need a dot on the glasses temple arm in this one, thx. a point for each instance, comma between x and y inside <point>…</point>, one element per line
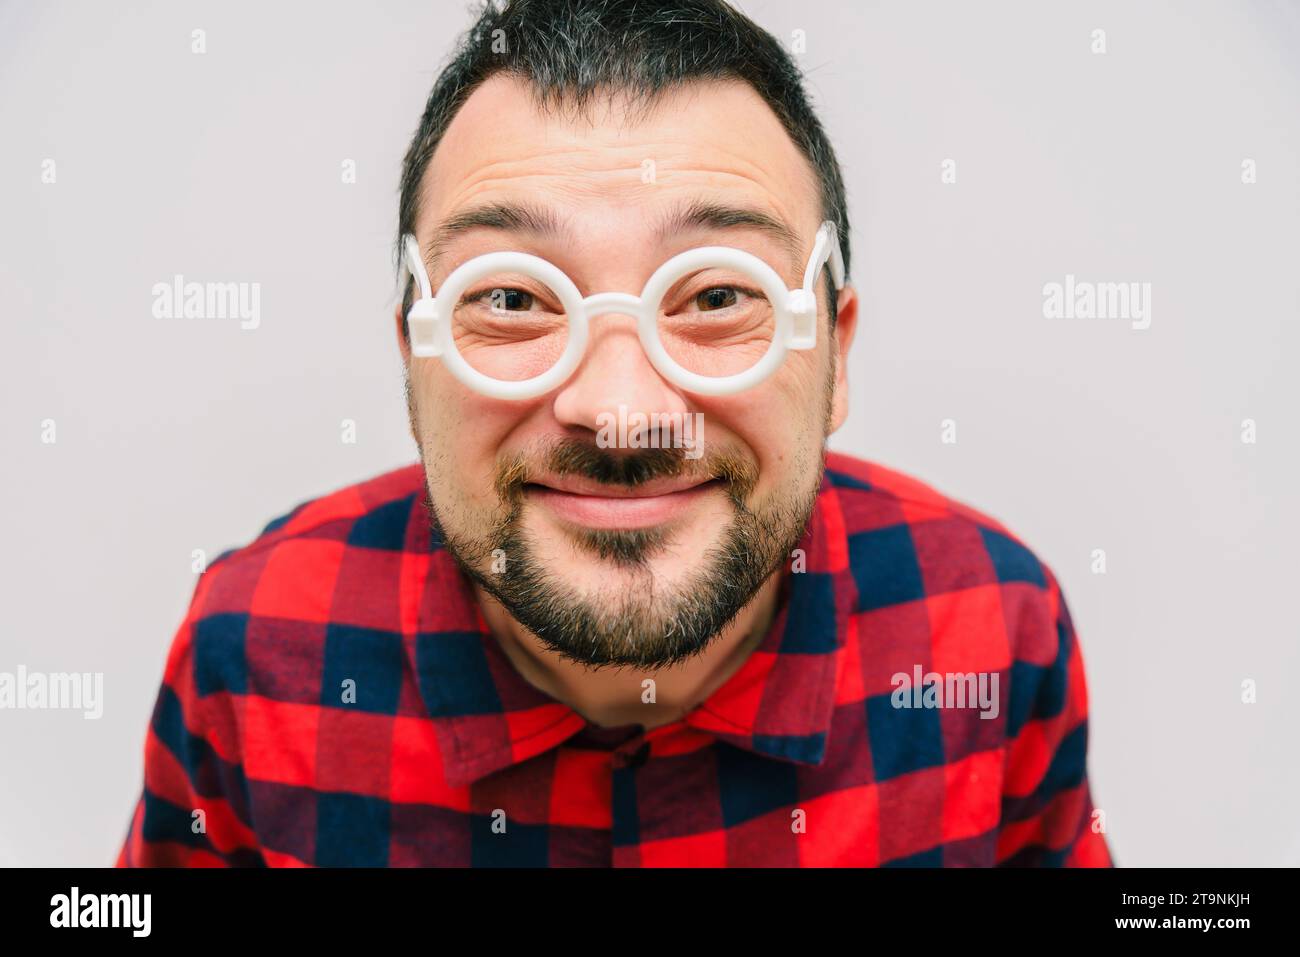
<point>826,251</point>
<point>415,265</point>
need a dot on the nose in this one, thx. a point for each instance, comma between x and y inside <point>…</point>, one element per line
<point>615,371</point>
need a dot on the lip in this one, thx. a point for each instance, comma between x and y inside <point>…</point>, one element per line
<point>593,505</point>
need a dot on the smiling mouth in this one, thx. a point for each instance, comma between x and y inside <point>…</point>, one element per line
<point>593,505</point>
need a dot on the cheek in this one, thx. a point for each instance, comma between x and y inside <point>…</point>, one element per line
<point>793,401</point>
<point>790,448</point>
<point>458,440</point>
<point>778,424</point>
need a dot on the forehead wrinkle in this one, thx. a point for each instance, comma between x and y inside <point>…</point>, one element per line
<point>762,211</point>
<point>753,147</point>
<point>580,173</point>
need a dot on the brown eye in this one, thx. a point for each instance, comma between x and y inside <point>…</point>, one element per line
<point>719,297</point>
<point>510,300</point>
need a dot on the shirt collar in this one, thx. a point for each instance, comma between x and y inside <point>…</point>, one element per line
<point>486,717</point>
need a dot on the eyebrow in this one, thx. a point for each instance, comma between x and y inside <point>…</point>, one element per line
<point>523,217</point>
<point>699,215</point>
<point>515,217</point>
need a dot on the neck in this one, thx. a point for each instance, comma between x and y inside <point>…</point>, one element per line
<point>616,696</point>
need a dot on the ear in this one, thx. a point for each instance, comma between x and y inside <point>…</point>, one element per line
<point>402,343</point>
<point>405,348</point>
<point>846,324</point>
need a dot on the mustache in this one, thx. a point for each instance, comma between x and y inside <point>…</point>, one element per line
<point>575,457</point>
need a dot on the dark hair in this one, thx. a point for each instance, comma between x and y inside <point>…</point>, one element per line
<point>570,50</point>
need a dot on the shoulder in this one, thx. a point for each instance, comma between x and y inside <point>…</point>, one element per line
<point>947,539</point>
<point>331,558</point>
<point>912,545</point>
<point>374,514</point>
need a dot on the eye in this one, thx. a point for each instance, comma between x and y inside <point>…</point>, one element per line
<point>719,297</point>
<point>509,300</point>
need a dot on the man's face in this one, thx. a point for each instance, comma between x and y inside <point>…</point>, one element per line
<point>624,555</point>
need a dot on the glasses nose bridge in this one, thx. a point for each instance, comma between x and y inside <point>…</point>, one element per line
<point>604,303</point>
<point>618,303</point>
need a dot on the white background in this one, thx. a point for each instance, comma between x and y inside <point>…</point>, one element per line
<point>176,435</point>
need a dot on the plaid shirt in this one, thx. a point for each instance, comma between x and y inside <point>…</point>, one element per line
<point>445,755</point>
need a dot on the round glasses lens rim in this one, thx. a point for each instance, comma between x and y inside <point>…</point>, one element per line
<point>535,268</point>
<point>767,278</point>
<point>649,301</point>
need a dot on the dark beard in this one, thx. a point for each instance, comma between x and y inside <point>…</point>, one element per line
<point>642,625</point>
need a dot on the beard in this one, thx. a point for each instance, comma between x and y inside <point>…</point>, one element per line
<point>643,623</point>
<point>638,620</point>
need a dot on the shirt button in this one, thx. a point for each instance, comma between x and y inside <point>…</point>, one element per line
<point>631,754</point>
<point>640,756</point>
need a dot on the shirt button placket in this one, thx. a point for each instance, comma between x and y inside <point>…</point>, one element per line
<point>626,760</point>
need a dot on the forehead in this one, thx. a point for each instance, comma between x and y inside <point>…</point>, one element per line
<point>714,141</point>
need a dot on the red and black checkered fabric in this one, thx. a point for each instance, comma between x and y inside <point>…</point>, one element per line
<point>444,755</point>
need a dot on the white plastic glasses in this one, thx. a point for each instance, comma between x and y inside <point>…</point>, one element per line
<point>511,325</point>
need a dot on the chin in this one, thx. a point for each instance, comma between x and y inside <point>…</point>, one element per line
<point>582,554</point>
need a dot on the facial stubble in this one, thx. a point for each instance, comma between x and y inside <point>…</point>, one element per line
<point>635,621</point>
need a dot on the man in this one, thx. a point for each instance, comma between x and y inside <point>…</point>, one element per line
<point>561,641</point>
